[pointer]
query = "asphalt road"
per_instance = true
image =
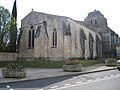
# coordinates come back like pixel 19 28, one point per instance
pixel 107 80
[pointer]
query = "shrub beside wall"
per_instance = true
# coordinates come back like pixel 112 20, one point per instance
pixel 110 62
pixel 8 56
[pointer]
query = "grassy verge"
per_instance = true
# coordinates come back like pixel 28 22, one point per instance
pixel 48 64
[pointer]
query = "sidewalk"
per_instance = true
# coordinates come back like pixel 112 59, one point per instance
pixel 40 73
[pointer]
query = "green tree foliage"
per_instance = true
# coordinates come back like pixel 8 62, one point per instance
pixel 5 18
pixel 13 36
pixel 13 30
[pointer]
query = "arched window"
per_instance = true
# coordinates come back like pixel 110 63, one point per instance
pixel 54 38
pixel 31 38
pixel 95 21
pixel 91 21
pixel 98 46
pixel 82 41
pixel 91 40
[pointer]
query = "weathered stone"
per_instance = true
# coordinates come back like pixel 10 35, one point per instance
pixel 4 56
pixel 68 38
pixel 98 23
pixel 13 73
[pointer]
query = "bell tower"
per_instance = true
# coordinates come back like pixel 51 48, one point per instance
pixel 95 18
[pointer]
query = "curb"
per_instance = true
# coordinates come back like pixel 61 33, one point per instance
pixel 81 73
pixel 97 71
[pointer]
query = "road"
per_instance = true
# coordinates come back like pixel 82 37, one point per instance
pixel 107 80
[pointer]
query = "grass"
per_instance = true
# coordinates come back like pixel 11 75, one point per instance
pixel 90 62
pixel 48 64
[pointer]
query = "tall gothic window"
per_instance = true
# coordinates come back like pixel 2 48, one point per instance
pixel 31 38
pixel 91 40
pixel 95 22
pixel 98 46
pixel 54 38
pixel 82 41
pixel 91 21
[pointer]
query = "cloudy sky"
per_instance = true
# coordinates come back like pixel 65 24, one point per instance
pixel 75 9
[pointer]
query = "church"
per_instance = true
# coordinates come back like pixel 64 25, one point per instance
pixel 52 37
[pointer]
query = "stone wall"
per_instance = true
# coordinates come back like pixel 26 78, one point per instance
pixel 68 38
pixel 8 56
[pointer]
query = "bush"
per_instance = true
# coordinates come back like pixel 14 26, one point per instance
pixel 110 62
pixel 72 65
pixel 14 66
pixel 72 62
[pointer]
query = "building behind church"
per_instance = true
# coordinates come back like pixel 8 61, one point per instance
pixel 51 37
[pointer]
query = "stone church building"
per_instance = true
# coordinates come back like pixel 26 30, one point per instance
pixel 51 37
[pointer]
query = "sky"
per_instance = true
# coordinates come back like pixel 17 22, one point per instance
pixel 75 9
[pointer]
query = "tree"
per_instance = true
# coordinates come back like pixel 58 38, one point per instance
pixel 13 36
pixel 13 30
pixel 5 18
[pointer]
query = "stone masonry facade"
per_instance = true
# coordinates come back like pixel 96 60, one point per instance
pixel 51 37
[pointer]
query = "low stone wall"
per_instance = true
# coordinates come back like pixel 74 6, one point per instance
pixel 8 56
